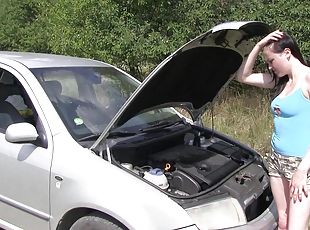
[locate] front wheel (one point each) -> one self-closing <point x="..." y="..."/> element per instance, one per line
<point x="96" y="221"/>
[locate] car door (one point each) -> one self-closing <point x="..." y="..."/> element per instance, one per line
<point x="24" y="167"/>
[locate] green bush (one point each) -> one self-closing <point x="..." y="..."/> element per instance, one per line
<point x="135" y="35"/>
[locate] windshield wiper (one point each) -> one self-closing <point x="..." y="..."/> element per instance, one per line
<point x="90" y="137"/>
<point x="111" y="134"/>
<point x="160" y="125"/>
<point x="121" y="133"/>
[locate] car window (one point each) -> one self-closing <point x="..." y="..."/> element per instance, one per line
<point x="86" y="98"/>
<point x="15" y="105"/>
<point x="149" y="118"/>
<point x="66" y="78"/>
<point x="11" y="104"/>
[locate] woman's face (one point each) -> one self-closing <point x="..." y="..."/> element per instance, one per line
<point x="277" y="62"/>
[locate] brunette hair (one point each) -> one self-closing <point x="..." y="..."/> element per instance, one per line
<point x="285" y="42"/>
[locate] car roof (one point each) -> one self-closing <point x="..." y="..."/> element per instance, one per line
<point x="42" y="60"/>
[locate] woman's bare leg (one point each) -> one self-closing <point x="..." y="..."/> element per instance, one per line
<point x="280" y="191"/>
<point x="299" y="214"/>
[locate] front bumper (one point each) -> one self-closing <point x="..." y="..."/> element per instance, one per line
<point x="267" y="220"/>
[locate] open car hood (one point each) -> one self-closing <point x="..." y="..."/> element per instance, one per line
<point x="194" y="74"/>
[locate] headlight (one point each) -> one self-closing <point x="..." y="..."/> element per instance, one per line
<point x="218" y="214"/>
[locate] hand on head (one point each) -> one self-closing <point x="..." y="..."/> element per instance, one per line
<point x="272" y="37"/>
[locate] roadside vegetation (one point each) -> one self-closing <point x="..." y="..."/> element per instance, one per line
<point x="243" y="114"/>
<point x="137" y="35"/>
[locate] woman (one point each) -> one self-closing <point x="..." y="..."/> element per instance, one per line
<point x="289" y="162"/>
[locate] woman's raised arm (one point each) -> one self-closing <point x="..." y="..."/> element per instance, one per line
<point x="245" y="73"/>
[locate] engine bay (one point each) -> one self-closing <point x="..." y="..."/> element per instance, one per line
<point x="189" y="163"/>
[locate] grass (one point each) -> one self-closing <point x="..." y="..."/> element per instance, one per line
<point x="244" y="115"/>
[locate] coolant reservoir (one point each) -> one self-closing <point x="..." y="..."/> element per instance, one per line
<point x="157" y="177"/>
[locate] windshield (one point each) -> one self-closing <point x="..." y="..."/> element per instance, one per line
<point x="87" y="98"/>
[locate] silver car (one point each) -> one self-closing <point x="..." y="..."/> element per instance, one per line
<point x="83" y="145"/>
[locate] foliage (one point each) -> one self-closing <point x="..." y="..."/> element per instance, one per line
<point x="22" y="27"/>
<point x="291" y="16"/>
<point x="243" y="115"/>
<point x="135" y="34"/>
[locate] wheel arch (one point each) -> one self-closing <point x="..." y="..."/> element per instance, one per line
<point x="74" y="214"/>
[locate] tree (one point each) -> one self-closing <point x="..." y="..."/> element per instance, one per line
<point x="135" y="35"/>
<point x="291" y="16"/>
<point x="22" y="28"/>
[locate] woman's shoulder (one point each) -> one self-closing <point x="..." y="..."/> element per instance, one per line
<point x="305" y="86"/>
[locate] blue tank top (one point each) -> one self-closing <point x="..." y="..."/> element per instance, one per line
<point x="291" y="115"/>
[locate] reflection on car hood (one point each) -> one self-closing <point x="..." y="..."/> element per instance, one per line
<point x="194" y="73"/>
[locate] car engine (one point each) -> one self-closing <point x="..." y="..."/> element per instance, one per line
<point x="194" y="163"/>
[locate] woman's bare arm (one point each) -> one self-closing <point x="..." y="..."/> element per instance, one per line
<point x="245" y="73"/>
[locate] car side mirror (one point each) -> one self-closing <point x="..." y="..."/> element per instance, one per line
<point x="21" y="133"/>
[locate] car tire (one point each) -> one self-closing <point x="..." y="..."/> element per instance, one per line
<point x="96" y="221"/>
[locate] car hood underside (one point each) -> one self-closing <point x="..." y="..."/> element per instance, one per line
<point x="195" y="75"/>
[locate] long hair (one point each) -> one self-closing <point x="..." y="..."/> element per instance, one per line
<point x="278" y="47"/>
